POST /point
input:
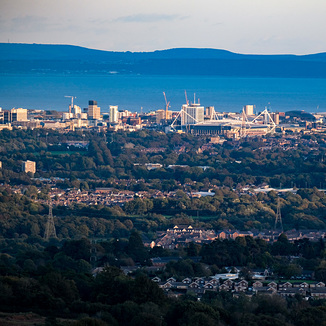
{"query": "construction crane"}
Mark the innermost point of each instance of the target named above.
(187, 102)
(72, 102)
(167, 105)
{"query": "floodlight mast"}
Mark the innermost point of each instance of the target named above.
(244, 122)
(72, 102)
(270, 121)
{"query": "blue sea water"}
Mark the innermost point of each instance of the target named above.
(48, 91)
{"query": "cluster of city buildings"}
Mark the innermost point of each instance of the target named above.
(74, 118)
(192, 117)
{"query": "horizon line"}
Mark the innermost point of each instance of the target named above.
(166, 49)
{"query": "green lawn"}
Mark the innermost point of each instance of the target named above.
(56, 153)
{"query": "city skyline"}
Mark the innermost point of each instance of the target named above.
(241, 26)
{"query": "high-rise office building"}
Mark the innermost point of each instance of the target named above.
(162, 115)
(192, 114)
(1, 115)
(248, 109)
(18, 114)
(6, 116)
(94, 111)
(14, 115)
(209, 112)
(276, 117)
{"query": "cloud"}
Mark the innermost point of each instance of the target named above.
(28, 23)
(148, 18)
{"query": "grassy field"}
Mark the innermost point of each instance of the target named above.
(67, 152)
(56, 153)
(27, 319)
(21, 319)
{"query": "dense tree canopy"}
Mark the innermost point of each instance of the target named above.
(54, 277)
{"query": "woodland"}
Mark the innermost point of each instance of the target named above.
(54, 278)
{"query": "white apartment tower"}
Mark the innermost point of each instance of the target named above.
(29, 166)
(114, 114)
(77, 111)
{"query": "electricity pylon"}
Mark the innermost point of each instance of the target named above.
(278, 217)
(50, 227)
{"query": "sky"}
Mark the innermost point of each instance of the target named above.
(242, 26)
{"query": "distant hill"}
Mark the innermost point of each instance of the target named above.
(44, 58)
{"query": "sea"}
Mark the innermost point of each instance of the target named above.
(144, 93)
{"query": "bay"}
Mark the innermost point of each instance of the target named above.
(133, 92)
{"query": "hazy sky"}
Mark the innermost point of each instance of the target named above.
(244, 26)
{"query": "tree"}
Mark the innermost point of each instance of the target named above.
(282, 246)
(270, 305)
(228, 181)
(310, 316)
(144, 290)
(193, 249)
(289, 270)
(61, 287)
(77, 249)
(192, 313)
(138, 206)
(136, 249)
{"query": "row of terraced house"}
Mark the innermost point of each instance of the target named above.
(200, 285)
(183, 234)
